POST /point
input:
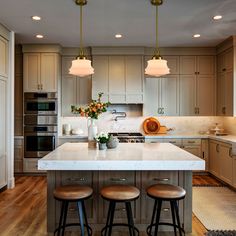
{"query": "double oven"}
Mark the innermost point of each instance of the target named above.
(40, 124)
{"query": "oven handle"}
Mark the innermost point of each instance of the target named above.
(53, 142)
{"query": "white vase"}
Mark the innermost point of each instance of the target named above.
(92, 132)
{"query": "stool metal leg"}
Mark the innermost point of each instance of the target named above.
(149, 229)
(130, 218)
(64, 217)
(108, 219)
(158, 216)
(177, 216)
(113, 205)
(61, 217)
(173, 216)
(85, 217)
(81, 217)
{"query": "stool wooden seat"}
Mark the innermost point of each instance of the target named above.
(165, 192)
(119, 193)
(73, 193)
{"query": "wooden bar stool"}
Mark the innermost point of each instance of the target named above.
(120, 193)
(165, 192)
(73, 193)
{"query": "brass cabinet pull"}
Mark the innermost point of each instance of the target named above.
(82, 179)
(191, 141)
(172, 141)
(217, 147)
(230, 152)
(160, 179)
(41, 87)
(72, 209)
(195, 110)
(158, 110)
(165, 209)
(198, 110)
(118, 179)
(120, 209)
(224, 110)
(162, 110)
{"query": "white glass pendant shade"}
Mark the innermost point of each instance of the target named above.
(81, 67)
(157, 67)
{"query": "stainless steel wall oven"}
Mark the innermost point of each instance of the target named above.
(40, 124)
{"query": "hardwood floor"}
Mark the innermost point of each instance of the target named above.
(23, 209)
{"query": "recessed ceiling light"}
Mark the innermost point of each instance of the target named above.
(118, 36)
(39, 36)
(217, 17)
(196, 35)
(36, 18)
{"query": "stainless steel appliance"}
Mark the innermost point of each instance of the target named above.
(40, 103)
(129, 137)
(40, 124)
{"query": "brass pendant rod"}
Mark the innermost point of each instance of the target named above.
(157, 52)
(81, 51)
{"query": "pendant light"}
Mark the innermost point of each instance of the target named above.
(81, 66)
(157, 66)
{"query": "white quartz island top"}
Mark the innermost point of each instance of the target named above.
(127, 156)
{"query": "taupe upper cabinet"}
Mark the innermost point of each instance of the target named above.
(225, 83)
(74, 90)
(120, 78)
(3, 57)
(197, 85)
(41, 71)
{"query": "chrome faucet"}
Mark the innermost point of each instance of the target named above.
(121, 114)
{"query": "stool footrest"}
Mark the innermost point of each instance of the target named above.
(163, 223)
(75, 224)
(119, 224)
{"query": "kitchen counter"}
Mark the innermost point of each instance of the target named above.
(139, 164)
(127, 156)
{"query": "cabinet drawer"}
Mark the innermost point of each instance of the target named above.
(18, 166)
(31, 165)
(177, 142)
(191, 142)
(76, 177)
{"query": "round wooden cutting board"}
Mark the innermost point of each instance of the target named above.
(151, 125)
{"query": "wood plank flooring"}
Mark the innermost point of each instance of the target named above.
(23, 209)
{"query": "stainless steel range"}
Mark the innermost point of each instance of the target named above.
(129, 137)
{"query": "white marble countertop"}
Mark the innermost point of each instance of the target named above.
(127, 156)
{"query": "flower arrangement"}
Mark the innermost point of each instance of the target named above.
(102, 137)
(95, 108)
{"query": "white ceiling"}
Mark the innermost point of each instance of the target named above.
(135, 19)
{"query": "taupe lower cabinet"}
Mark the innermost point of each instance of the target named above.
(221, 161)
(97, 207)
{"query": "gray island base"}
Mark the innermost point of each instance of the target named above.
(130, 163)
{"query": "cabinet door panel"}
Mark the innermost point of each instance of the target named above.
(3, 57)
(206, 65)
(229, 59)
(134, 74)
(31, 72)
(116, 74)
(195, 150)
(151, 97)
(49, 72)
(3, 179)
(84, 86)
(170, 95)
(228, 93)
(187, 65)
(214, 162)
(100, 77)
(187, 95)
(68, 95)
(226, 164)
(66, 64)
(205, 95)
(220, 93)
(173, 64)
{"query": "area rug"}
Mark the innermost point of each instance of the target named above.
(215, 207)
(221, 233)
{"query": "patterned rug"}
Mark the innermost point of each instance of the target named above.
(215, 207)
(221, 233)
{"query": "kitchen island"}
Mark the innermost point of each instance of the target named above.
(139, 164)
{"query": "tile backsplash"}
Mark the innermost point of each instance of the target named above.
(180, 125)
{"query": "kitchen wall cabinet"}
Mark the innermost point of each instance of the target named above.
(3, 166)
(162, 96)
(197, 85)
(3, 57)
(41, 72)
(225, 83)
(120, 78)
(18, 154)
(74, 90)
